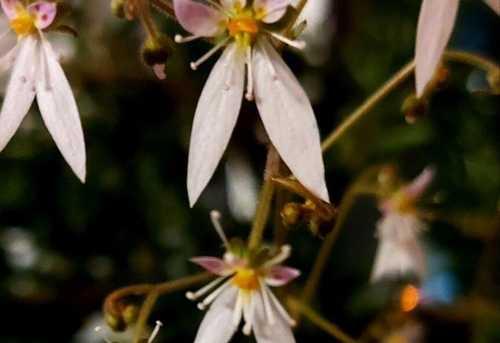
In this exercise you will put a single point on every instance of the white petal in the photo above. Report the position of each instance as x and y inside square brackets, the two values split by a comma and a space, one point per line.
[288, 118]
[399, 251]
[435, 25]
[217, 325]
[278, 332]
[495, 5]
[20, 90]
[60, 112]
[215, 118]
[7, 60]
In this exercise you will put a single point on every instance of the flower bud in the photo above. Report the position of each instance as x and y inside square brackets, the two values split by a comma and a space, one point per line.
[291, 214]
[414, 108]
[116, 323]
[494, 80]
[118, 8]
[130, 314]
[156, 50]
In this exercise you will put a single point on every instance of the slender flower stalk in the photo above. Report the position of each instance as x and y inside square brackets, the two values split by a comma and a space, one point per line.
[36, 72]
[251, 67]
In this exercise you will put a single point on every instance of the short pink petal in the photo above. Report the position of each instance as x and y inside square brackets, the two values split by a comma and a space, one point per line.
[495, 5]
[44, 12]
[159, 70]
[280, 275]
[9, 7]
[214, 265]
[197, 18]
[418, 186]
[273, 10]
[435, 25]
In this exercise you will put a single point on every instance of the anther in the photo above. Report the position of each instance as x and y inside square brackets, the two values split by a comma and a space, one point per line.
[215, 217]
[181, 39]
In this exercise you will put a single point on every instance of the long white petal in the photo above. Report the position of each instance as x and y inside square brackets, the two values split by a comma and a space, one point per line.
[215, 118]
[20, 90]
[435, 25]
[60, 112]
[265, 332]
[495, 5]
[217, 326]
[288, 117]
[7, 60]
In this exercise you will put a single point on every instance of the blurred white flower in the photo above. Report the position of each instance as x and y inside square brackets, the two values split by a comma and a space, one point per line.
[400, 251]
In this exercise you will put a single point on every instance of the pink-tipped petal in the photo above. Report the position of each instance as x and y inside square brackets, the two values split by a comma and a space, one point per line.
[9, 7]
[159, 70]
[273, 10]
[44, 12]
[418, 186]
[197, 18]
[435, 25]
[280, 275]
[214, 265]
[495, 5]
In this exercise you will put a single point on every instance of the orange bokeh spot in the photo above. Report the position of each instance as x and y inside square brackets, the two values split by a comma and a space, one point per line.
[410, 297]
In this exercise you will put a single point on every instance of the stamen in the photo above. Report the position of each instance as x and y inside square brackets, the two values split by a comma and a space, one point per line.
[267, 304]
[280, 308]
[215, 217]
[155, 332]
[284, 253]
[180, 39]
[98, 329]
[237, 312]
[249, 94]
[211, 297]
[298, 44]
[196, 64]
[202, 291]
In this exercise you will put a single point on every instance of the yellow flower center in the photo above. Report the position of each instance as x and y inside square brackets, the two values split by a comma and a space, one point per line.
[246, 279]
[24, 23]
[402, 202]
[243, 25]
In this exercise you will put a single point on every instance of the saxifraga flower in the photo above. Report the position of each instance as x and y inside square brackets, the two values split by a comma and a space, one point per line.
[244, 29]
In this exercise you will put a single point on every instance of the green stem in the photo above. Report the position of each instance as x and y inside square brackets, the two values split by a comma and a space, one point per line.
[265, 200]
[146, 309]
[452, 55]
[368, 105]
[321, 322]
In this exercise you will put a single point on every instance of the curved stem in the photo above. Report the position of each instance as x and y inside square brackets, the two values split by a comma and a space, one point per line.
[146, 309]
[321, 322]
[164, 6]
[405, 72]
[471, 59]
[368, 105]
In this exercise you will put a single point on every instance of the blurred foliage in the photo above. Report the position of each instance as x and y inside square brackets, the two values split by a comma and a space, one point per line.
[64, 245]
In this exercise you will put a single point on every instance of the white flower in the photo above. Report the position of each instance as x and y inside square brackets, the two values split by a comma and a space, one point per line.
[36, 73]
[242, 291]
[286, 112]
[435, 25]
[400, 251]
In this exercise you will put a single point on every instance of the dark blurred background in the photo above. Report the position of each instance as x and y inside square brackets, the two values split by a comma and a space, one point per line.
[64, 246]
